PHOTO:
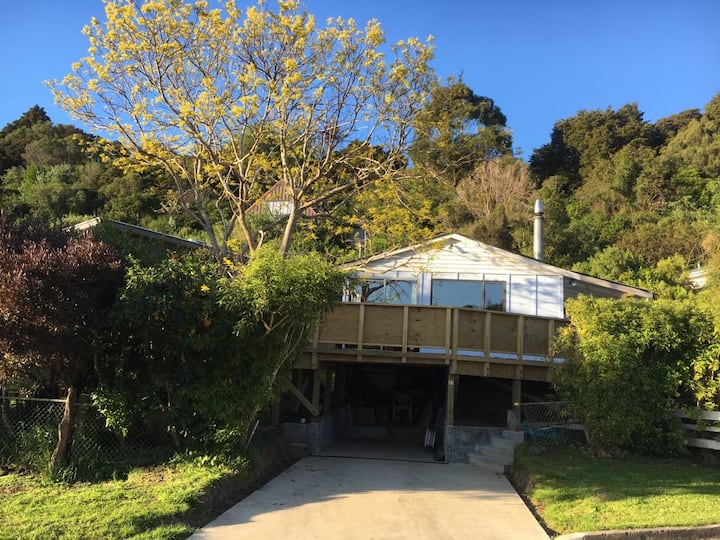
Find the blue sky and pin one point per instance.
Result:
(540, 60)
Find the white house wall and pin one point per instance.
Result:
(526, 292)
(537, 295)
(531, 287)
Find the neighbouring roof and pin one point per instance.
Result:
(277, 202)
(139, 231)
(424, 257)
(698, 278)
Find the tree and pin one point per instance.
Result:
(224, 101)
(12, 145)
(54, 294)
(580, 144)
(456, 131)
(498, 194)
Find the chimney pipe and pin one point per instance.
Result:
(538, 240)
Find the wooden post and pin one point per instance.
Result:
(455, 339)
(448, 334)
(361, 332)
(487, 337)
(520, 321)
(516, 399)
(450, 402)
(406, 316)
(551, 338)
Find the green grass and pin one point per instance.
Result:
(151, 503)
(573, 491)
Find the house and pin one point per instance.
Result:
(453, 270)
(444, 338)
(277, 202)
(698, 278)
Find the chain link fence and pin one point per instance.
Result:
(551, 422)
(29, 433)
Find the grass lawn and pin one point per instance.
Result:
(574, 492)
(159, 503)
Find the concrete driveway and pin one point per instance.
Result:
(355, 498)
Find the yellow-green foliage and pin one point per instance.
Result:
(228, 101)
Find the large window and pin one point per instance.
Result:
(466, 293)
(387, 291)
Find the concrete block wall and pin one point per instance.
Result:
(318, 432)
(461, 441)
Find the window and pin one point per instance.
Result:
(387, 291)
(471, 294)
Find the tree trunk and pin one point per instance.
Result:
(65, 428)
(289, 229)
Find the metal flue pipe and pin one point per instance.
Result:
(538, 239)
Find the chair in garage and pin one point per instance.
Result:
(402, 408)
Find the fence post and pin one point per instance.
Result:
(65, 427)
(4, 415)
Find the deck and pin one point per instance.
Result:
(468, 341)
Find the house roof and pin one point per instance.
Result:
(698, 278)
(476, 251)
(278, 193)
(139, 231)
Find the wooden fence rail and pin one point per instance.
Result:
(703, 428)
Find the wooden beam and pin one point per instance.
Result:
(299, 395)
(516, 399)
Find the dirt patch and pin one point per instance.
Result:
(523, 482)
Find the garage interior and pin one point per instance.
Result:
(393, 411)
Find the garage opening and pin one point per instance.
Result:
(388, 411)
(394, 411)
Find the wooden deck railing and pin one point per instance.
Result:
(474, 342)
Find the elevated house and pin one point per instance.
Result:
(451, 334)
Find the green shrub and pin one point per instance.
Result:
(629, 366)
(197, 352)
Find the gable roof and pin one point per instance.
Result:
(276, 200)
(474, 251)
